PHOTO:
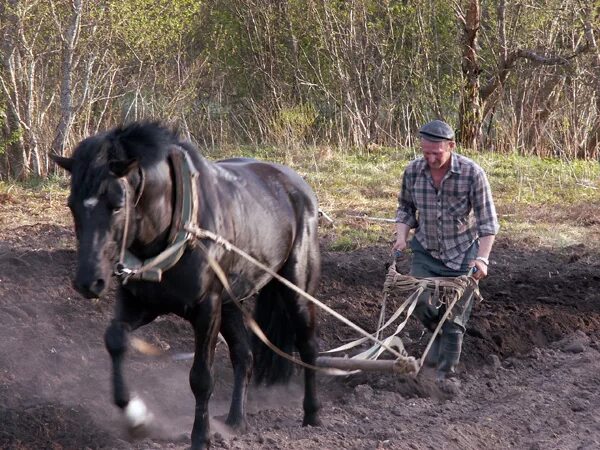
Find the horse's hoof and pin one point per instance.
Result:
(312, 421)
(137, 415)
(235, 425)
(238, 426)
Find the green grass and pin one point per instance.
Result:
(35, 201)
(543, 201)
(534, 181)
(549, 201)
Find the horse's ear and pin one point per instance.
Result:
(65, 163)
(120, 168)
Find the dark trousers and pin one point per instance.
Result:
(446, 350)
(423, 266)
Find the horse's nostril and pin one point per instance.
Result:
(97, 287)
(89, 289)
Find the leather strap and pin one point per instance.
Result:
(184, 214)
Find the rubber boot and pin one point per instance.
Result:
(450, 347)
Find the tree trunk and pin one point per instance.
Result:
(471, 109)
(593, 142)
(66, 98)
(15, 154)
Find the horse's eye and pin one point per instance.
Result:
(115, 199)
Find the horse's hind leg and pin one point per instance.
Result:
(306, 343)
(128, 317)
(303, 269)
(234, 331)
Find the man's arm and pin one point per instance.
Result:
(402, 231)
(485, 248)
(487, 222)
(483, 207)
(405, 214)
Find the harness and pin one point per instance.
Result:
(129, 266)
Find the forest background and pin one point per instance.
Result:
(510, 76)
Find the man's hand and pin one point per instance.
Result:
(401, 236)
(399, 246)
(482, 269)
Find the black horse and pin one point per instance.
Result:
(134, 192)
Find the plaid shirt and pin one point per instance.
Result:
(448, 221)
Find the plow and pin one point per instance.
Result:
(443, 292)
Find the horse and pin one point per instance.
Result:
(134, 192)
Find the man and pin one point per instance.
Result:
(446, 197)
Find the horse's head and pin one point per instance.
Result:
(121, 198)
(101, 199)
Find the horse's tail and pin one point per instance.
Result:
(274, 319)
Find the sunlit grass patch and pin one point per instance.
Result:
(528, 180)
(547, 201)
(558, 236)
(35, 201)
(351, 236)
(532, 194)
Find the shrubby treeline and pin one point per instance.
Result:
(521, 76)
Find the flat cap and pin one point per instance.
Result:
(437, 131)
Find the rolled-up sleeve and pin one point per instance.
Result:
(406, 212)
(483, 205)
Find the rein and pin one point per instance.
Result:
(119, 267)
(206, 234)
(446, 291)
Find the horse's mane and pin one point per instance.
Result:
(147, 141)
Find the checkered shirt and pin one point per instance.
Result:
(449, 220)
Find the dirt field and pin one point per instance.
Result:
(530, 373)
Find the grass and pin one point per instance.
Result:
(543, 201)
(33, 202)
(548, 202)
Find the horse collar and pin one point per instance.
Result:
(185, 214)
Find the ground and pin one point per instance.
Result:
(529, 376)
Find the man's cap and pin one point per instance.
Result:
(437, 131)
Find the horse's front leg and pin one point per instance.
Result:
(206, 323)
(128, 318)
(235, 333)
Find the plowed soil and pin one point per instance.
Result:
(529, 376)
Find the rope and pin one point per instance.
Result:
(201, 233)
(215, 266)
(446, 291)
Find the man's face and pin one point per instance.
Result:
(437, 154)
